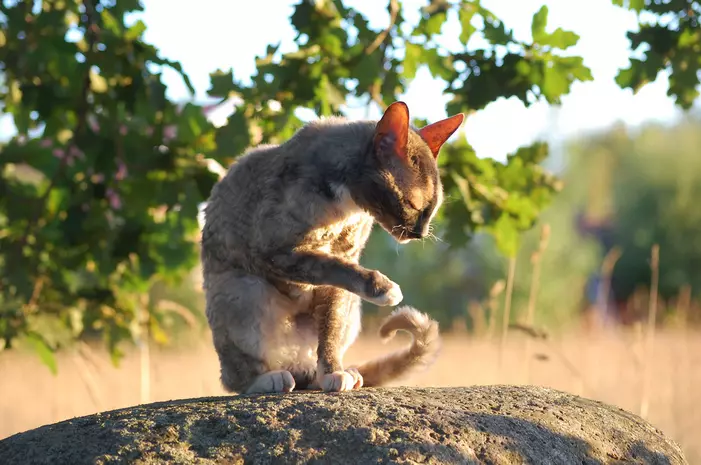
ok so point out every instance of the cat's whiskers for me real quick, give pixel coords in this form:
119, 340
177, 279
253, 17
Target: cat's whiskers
448, 199
432, 236
401, 236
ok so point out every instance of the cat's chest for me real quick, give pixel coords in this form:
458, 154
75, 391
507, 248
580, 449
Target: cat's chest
343, 237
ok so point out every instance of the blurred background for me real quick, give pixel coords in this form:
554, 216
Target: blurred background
567, 253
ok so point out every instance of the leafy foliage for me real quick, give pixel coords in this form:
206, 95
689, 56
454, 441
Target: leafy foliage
671, 42
339, 56
100, 187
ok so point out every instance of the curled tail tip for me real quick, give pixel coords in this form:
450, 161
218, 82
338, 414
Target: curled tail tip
422, 352
408, 319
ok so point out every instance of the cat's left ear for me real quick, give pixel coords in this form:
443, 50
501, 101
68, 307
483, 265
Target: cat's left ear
437, 133
392, 131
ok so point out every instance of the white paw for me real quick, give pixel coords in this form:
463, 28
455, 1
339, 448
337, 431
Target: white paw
389, 299
341, 381
272, 381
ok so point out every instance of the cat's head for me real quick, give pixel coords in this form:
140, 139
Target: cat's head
406, 191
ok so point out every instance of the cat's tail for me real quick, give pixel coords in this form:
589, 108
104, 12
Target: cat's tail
420, 354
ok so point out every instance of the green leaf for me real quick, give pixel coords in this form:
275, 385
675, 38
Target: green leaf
635, 5
575, 68
684, 79
367, 70
303, 15
640, 72
689, 38
391, 86
412, 60
555, 83
560, 39
465, 15
176, 66
43, 350
432, 25
540, 20
110, 23
496, 33
234, 137
440, 66
135, 31
506, 235
192, 123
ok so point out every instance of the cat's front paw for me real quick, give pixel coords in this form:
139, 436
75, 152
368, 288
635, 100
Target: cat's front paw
272, 381
380, 290
342, 381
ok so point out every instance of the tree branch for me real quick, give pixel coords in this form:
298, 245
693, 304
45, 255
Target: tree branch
375, 90
393, 11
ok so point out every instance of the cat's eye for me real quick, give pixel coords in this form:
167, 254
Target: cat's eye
411, 203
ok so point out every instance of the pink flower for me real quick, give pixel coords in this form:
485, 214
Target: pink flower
75, 152
121, 171
46, 143
113, 199
169, 133
92, 122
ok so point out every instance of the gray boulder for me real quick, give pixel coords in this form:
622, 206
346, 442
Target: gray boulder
481, 424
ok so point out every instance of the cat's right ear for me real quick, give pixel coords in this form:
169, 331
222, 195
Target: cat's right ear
392, 131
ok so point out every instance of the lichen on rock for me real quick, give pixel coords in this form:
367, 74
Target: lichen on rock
481, 424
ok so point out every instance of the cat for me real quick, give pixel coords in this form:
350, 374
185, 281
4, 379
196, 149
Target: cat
281, 243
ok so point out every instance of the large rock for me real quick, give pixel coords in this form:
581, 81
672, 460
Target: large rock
488, 424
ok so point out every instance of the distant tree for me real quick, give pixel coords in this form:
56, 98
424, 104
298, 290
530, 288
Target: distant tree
99, 188
628, 190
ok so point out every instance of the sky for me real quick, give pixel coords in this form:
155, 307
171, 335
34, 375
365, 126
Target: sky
223, 34
226, 34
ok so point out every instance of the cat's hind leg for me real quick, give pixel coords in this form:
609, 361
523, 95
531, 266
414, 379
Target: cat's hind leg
239, 370
252, 334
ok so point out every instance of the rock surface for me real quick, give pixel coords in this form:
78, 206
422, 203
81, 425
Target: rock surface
481, 424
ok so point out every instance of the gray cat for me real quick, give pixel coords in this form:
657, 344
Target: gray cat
284, 229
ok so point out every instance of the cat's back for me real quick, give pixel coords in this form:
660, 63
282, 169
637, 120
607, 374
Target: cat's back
280, 194
248, 182
250, 172
268, 170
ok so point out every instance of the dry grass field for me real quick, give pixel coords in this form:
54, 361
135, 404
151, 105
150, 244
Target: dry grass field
608, 366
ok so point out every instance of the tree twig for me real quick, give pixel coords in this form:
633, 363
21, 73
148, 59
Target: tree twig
393, 12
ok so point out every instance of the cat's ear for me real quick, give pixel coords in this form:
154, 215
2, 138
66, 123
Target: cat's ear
437, 133
392, 131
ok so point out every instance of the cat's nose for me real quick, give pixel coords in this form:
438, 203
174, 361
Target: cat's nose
419, 232
413, 234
